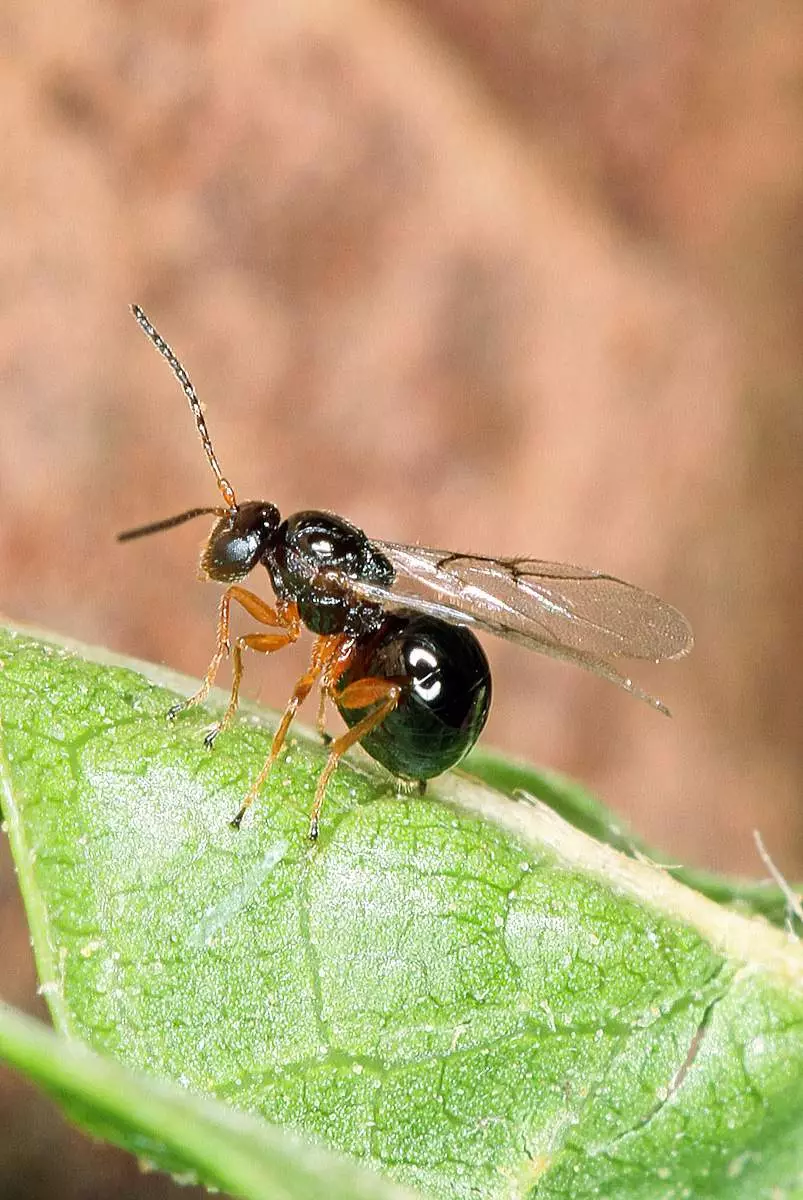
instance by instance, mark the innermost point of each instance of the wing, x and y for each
(566, 612)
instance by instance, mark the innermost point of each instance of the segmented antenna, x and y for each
(169, 523)
(226, 490)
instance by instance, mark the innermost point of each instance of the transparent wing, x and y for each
(566, 612)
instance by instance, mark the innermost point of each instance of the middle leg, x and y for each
(331, 673)
(324, 651)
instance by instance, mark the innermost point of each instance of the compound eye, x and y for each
(229, 554)
(238, 541)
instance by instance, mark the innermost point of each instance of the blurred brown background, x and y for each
(516, 278)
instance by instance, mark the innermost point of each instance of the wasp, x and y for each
(394, 644)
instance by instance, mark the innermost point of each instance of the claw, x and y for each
(211, 734)
(175, 709)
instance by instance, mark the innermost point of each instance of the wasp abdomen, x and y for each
(446, 693)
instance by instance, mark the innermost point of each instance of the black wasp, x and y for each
(394, 649)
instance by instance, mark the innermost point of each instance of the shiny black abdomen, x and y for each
(308, 559)
(445, 700)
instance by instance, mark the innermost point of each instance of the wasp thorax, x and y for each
(311, 560)
(238, 541)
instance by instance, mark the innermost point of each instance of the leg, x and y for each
(385, 693)
(285, 617)
(263, 643)
(324, 650)
(333, 670)
(411, 787)
(320, 721)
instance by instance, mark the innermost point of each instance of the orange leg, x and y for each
(324, 651)
(285, 618)
(329, 677)
(385, 693)
(320, 721)
(263, 643)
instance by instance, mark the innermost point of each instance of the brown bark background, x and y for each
(508, 277)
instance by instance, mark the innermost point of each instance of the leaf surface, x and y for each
(191, 1135)
(585, 812)
(464, 992)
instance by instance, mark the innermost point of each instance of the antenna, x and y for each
(226, 490)
(169, 523)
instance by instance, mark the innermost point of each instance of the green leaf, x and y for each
(467, 993)
(194, 1136)
(585, 812)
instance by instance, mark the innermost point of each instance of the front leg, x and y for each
(263, 643)
(285, 617)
